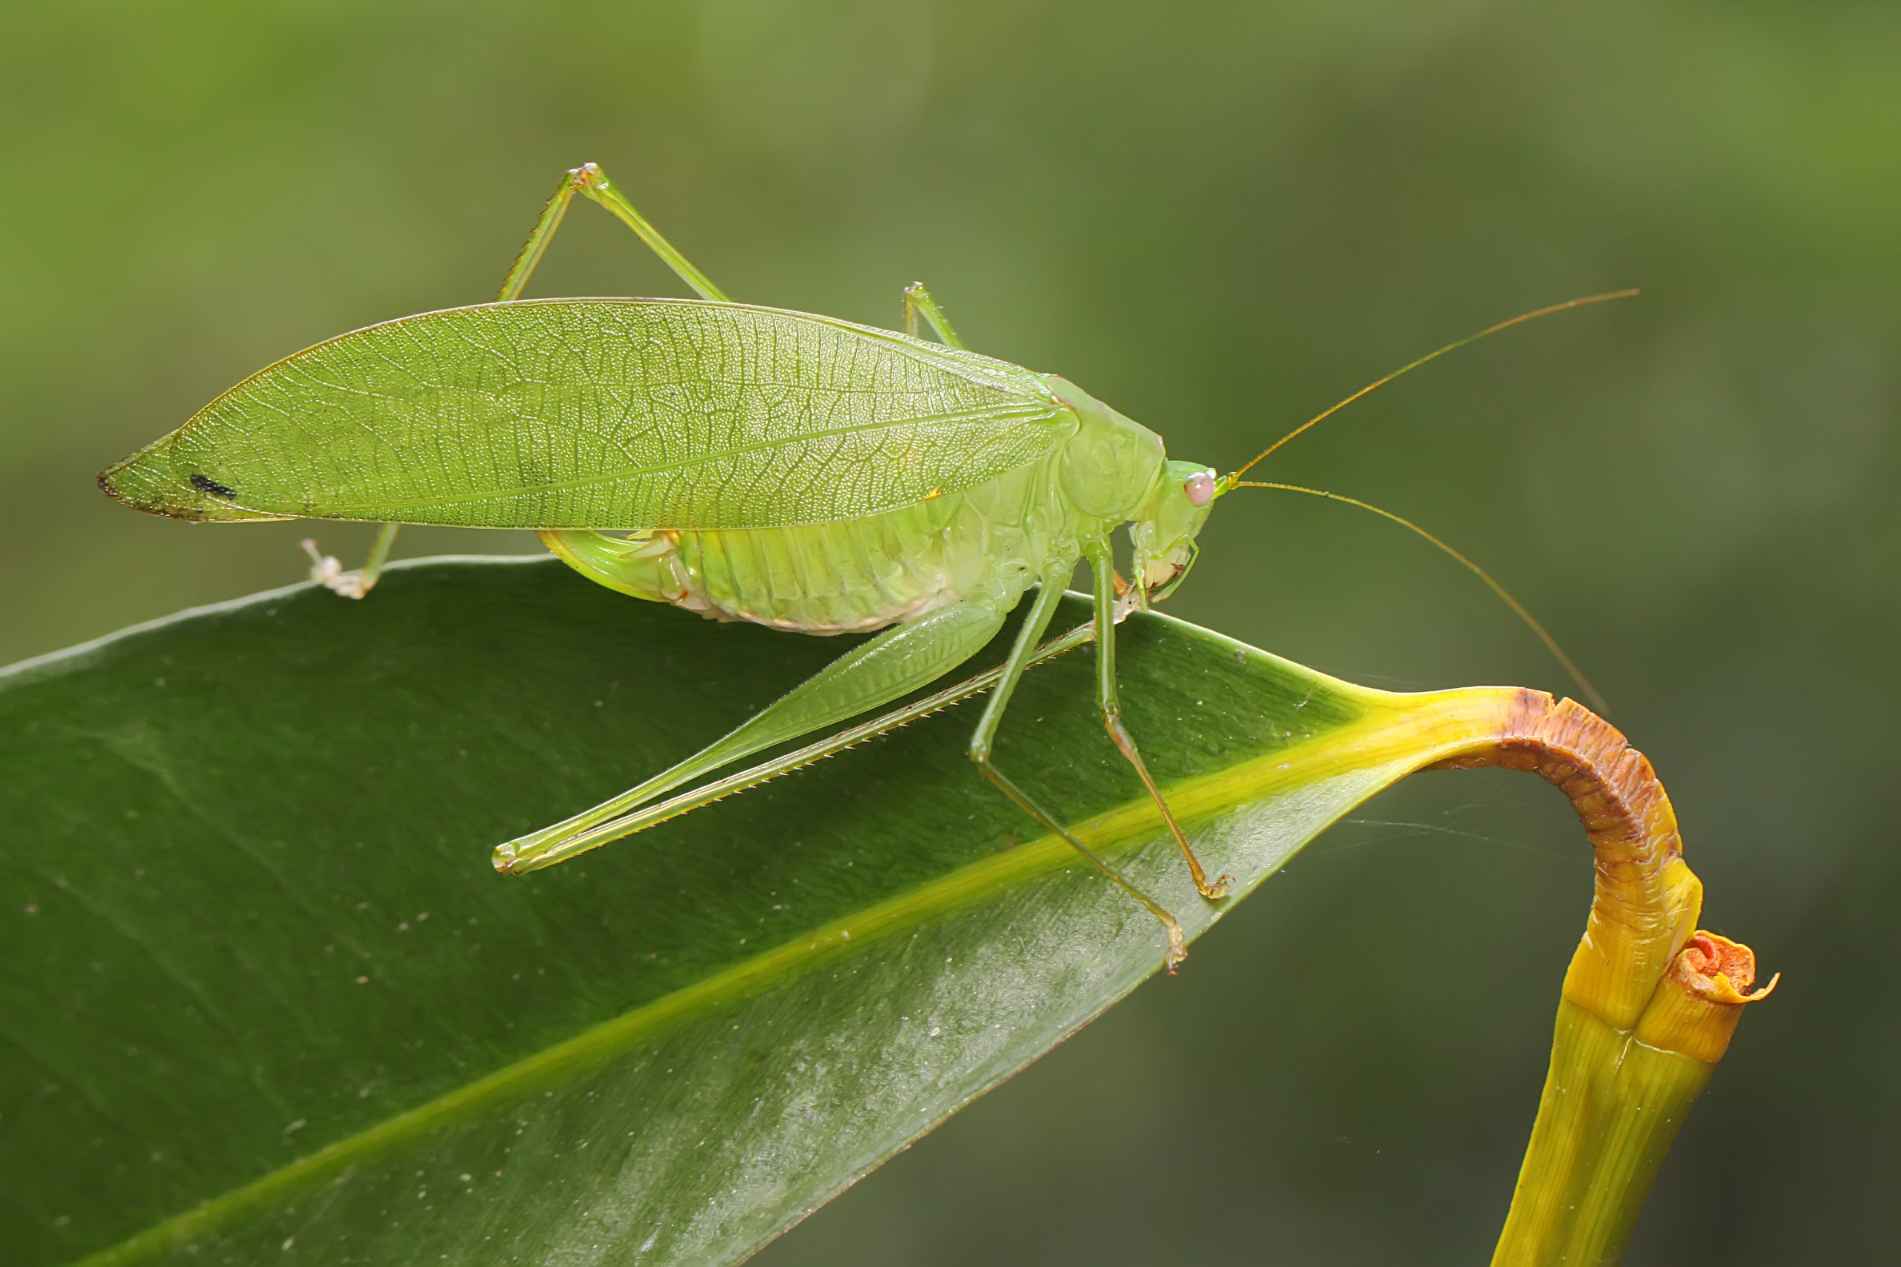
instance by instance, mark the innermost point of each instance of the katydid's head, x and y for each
(1108, 460)
(1164, 528)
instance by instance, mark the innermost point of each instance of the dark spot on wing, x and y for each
(205, 484)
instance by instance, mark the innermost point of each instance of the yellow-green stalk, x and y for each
(1647, 1008)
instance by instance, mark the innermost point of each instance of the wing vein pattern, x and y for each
(619, 414)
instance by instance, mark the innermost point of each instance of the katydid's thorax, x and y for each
(1110, 464)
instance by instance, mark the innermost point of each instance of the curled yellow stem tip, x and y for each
(1700, 1000)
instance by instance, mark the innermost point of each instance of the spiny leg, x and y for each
(918, 301)
(1102, 565)
(653, 813)
(592, 183)
(894, 663)
(1044, 609)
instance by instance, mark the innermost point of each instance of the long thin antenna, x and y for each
(1594, 696)
(1376, 384)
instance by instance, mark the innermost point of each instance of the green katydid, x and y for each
(746, 463)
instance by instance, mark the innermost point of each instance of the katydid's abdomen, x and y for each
(989, 543)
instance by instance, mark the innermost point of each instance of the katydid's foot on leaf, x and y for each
(327, 571)
(1177, 949)
(1125, 743)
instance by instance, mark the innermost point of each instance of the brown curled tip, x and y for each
(1645, 901)
(1611, 786)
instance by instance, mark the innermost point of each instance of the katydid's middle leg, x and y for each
(1102, 566)
(1047, 598)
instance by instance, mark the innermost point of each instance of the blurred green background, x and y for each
(1219, 218)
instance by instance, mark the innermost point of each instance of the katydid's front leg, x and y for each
(1102, 566)
(592, 183)
(1047, 599)
(894, 663)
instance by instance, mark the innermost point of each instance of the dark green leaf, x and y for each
(264, 998)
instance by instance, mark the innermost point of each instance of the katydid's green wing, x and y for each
(600, 413)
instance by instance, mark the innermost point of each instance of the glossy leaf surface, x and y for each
(264, 998)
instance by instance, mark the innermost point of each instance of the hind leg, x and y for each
(592, 183)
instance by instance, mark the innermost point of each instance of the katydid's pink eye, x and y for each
(1200, 488)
